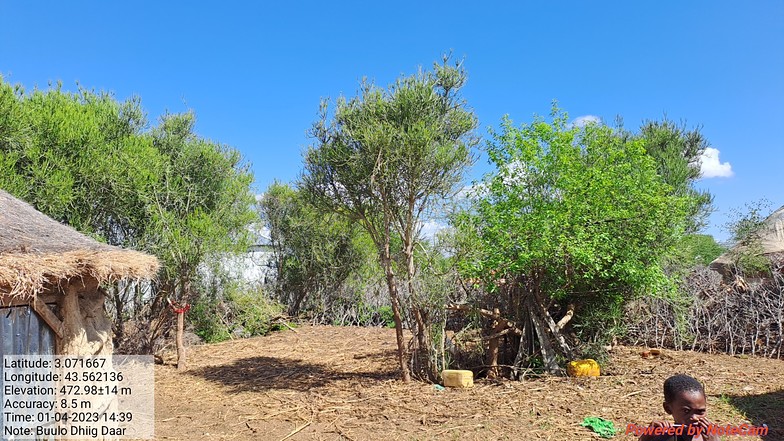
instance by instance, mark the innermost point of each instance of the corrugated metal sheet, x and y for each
(22, 332)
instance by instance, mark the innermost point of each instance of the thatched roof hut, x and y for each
(45, 262)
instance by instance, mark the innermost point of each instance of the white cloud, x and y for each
(513, 173)
(582, 121)
(431, 227)
(470, 191)
(465, 192)
(711, 167)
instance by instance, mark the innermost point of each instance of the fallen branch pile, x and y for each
(738, 318)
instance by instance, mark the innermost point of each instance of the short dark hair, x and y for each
(678, 384)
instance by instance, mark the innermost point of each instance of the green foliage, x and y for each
(595, 350)
(581, 205)
(81, 159)
(227, 309)
(599, 323)
(202, 203)
(387, 157)
(387, 316)
(90, 161)
(85, 159)
(254, 313)
(207, 319)
(744, 228)
(15, 138)
(745, 225)
(697, 249)
(315, 252)
(579, 214)
(677, 152)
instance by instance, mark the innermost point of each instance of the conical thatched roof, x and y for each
(771, 242)
(37, 252)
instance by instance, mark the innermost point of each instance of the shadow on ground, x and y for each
(763, 409)
(254, 374)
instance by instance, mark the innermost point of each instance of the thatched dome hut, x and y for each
(46, 264)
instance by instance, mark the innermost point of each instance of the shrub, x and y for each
(228, 309)
(386, 316)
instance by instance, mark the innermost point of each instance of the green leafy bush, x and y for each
(207, 322)
(387, 316)
(228, 309)
(253, 313)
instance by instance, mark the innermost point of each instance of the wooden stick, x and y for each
(565, 319)
(249, 427)
(487, 313)
(287, 325)
(342, 433)
(180, 343)
(48, 316)
(296, 431)
(502, 333)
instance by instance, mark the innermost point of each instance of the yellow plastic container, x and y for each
(457, 378)
(583, 368)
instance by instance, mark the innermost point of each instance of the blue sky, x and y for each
(254, 73)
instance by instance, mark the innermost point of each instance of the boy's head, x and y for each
(684, 399)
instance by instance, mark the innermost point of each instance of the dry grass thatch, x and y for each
(37, 252)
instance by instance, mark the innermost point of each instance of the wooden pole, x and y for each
(180, 310)
(492, 352)
(180, 344)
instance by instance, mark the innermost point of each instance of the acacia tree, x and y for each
(677, 152)
(384, 158)
(571, 216)
(202, 206)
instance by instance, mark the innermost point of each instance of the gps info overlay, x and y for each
(66, 397)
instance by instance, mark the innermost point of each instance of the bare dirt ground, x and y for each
(331, 383)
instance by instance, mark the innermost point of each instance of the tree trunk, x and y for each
(443, 344)
(492, 351)
(548, 354)
(86, 329)
(422, 330)
(180, 345)
(522, 349)
(186, 295)
(553, 327)
(422, 337)
(402, 353)
(294, 308)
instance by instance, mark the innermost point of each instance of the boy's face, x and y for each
(686, 407)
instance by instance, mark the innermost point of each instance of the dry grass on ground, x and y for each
(330, 383)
